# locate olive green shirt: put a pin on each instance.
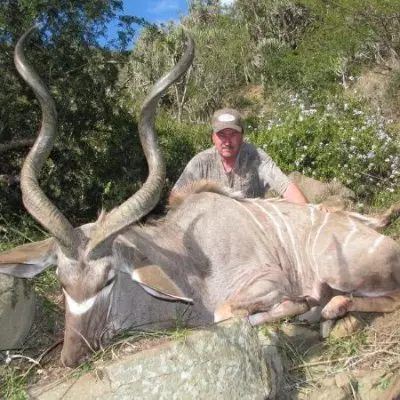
(254, 172)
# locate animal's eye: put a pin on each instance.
(109, 281)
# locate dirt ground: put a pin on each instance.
(361, 364)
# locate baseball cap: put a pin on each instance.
(226, 118)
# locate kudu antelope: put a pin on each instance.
(217, 255)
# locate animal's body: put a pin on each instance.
(264, 252)
(216, 255)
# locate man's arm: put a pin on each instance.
(272, 176)
(294, 194)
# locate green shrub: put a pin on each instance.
(393, 90)
(341, 141)
(179, 142)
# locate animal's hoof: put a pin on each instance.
(337, 307)
(326, 328)
(226, 311)
(223, 312)
(312, 316)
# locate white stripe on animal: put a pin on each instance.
(79, 308)
(376, 244)
(290, 233)
(271, 217)
(317, 236)
(353, 230)
(241, 204)
(311, 207)
(84, 306)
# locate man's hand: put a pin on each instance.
(294, 194)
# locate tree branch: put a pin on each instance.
(16, 144)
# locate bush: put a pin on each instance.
(180, 142)
(337, 141)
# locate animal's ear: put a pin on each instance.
(150, 277)
(156, 282)
(28, 260)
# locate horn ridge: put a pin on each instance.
(34, 199)
(146, 198)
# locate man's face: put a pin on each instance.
(227, 142)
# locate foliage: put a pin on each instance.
(82, 76)
(393, 90)
(338, 38)
(275, 23)
(222, 63)
(13, 384)
(343, 141)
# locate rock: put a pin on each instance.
(393, 391)
(17, 309)
(378, 385)
(331, 194)
(346, 326)
(343, 380)
(333, 393)
(328, 382)
(224, 361)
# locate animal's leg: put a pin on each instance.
(378, 222)
(261, 308)
(288, 308)
(312, 316)
(340, 305)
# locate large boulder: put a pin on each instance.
(223, 361)
(17, 310)
(331, 194)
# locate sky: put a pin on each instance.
(156, 11)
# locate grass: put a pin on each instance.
(17, 374)
(16, 229)
(375, 348)
(13, 383)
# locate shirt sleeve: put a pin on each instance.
(271, 175)
(192, 172)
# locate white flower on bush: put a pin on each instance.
(309, 112)
(370, 154)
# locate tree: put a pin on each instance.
(82, 74)
(222, 64)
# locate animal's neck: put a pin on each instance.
(133, 307)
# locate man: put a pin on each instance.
(236, 164)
